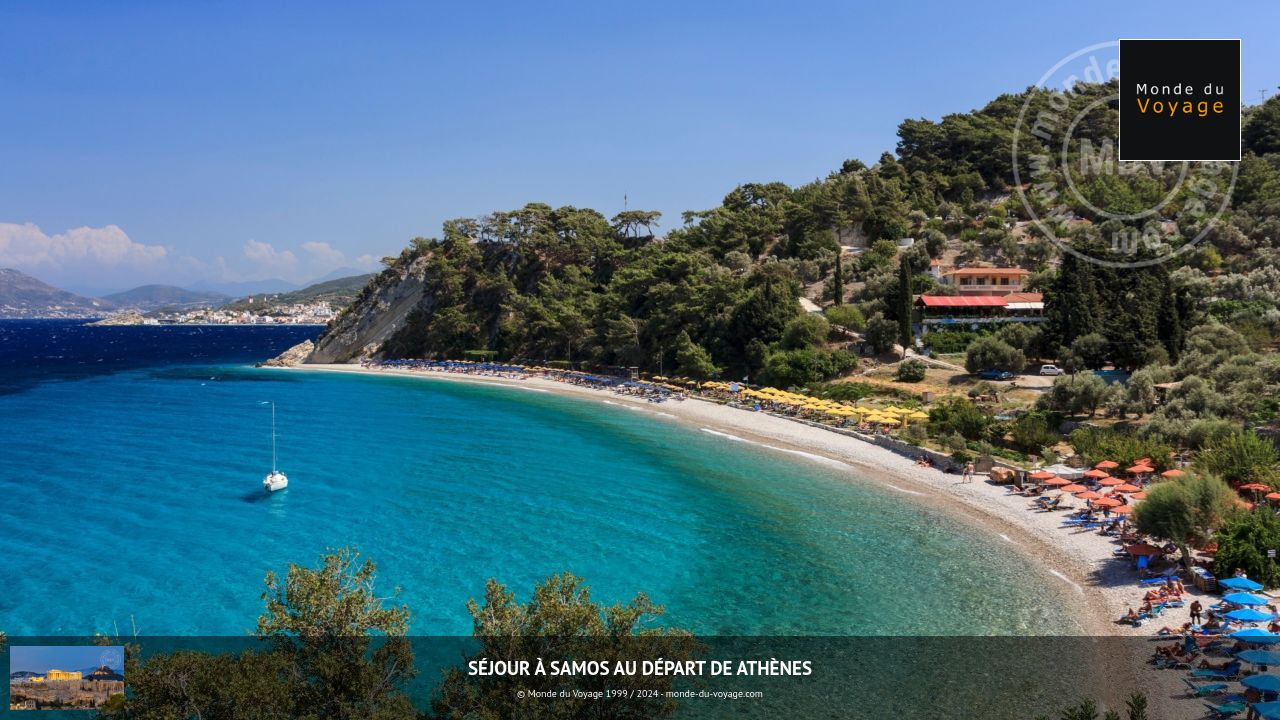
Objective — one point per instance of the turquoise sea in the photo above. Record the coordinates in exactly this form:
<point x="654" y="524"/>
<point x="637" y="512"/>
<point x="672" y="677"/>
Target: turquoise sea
<point x="130" y="496"/>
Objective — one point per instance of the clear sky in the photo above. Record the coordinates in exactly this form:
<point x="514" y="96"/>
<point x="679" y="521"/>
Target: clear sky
<point x="188" y="142"/>
<point x="41" y="659"/>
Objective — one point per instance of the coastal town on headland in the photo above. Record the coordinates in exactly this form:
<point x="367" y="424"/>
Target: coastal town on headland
<point x="298" y="314"/>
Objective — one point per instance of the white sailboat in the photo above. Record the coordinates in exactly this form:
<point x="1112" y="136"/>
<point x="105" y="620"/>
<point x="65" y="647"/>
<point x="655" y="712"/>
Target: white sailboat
<point x="275" y="480"/>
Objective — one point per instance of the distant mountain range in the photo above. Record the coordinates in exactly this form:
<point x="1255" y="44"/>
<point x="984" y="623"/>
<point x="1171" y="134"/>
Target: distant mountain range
<point x="249" y="287"/>
<point x="154" y="297"/>
<point x="22" y="296"/>
<point x="338" y="293"/>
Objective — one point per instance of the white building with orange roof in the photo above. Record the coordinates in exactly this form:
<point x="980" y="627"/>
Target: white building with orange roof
<point x="986" y="280"/>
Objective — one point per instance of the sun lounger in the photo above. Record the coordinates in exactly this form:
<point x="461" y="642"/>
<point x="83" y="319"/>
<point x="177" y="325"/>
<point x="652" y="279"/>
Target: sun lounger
<point x="1206" y="689"/>
<point x="1227" y="709"/>
<point x="1230" y="672"/>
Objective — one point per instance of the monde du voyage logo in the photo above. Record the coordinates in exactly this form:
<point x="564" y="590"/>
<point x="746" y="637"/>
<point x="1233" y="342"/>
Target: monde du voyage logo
<point x="1149" y="156"/>
<point x="1179" y="100"/>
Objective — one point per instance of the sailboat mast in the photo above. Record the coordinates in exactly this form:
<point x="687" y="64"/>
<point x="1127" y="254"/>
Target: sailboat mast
<point x="273" y="436"/>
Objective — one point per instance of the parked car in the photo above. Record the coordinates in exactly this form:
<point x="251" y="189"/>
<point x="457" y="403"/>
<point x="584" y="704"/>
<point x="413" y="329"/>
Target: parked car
<point x="1051" y="370"/>
<point x="994" y="374"/>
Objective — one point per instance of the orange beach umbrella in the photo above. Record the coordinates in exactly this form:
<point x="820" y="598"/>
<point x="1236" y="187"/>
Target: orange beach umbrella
<point x="1139" y="469"/>
<point x="1096" y="474"/>
<point x="1172" y="473"/>
<point x="1126" y="488"/>
<point x="1089" y="495"/>
<point x="1074" y="488"/>
<point x="1055" y="480"/>
<point x="1256" y="487"/>
<point x="1107" y="502"/>
<point x="1041" y="475"/>
<point x="1110" y="482"/>
<point x="1122" y="509"/>
<point x="1107" y="465"/>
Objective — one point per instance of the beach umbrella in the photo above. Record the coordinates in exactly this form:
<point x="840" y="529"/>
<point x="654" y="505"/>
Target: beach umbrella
<point x="1249" y="615"/>
<point x="1244" y="598"/>
<point x="1126" y="488"/>
<point x="1088" y="495"/>
<point x="1138" y="469"/>
<point x="1272" y="496"/>
<point x="1107" y="502"/>
<point x="1110" y="482"/>
<point x="1074" y="488"/>
<point x="1122" y="510"/>
<point x="1240" y="583"/>
<point x="1040" y="475"/>
<point x="918" y="415"/>
<point x="1268" y="710"/>
<point x="1096" y="474"/>
<point x="1258" y="636"/>
<point x="1259" y="657"/>
<point x="1172" y="473"/>
<point x="1143" y="549"/>
<point x="1107" y="465"/>
<point x="1255" y="487"/>
<point x="1138" y="496"/>
<point x="1057" y="481"/>
<point x="1264" y="683"/>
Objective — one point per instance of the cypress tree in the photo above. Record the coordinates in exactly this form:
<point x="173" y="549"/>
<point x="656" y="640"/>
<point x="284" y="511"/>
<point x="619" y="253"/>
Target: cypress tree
<point x="904" y="305"/>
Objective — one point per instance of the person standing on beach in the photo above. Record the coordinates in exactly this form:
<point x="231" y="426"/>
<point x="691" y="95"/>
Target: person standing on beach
<point x="968" y="472"/>
<point x="1196" y="609"/>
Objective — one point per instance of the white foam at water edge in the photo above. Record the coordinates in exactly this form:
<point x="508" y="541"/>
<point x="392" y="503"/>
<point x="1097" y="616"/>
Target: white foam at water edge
<point x="891" y="486"/>
<point x="1067" y="580"/>
<point x="609" y="402"/>
<point x="808" y="456"/>
<point x="724" y="435"/>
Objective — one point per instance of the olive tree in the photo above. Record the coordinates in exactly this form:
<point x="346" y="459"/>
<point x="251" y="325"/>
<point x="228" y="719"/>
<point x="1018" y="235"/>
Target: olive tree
<point x="1185" y="511"/>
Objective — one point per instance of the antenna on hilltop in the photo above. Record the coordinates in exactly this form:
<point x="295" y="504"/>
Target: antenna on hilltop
<point x="624" y="201"/>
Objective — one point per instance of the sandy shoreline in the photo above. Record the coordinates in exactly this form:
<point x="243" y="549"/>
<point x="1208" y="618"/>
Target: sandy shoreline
<point x="1096" y="588"/>
<point x="1104" y="588"/>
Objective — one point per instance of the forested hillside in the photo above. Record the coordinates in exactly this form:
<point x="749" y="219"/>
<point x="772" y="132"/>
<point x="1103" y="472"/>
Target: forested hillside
<point x="719" y="294"/>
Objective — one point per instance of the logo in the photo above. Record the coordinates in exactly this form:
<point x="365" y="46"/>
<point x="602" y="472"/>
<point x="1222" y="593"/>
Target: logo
<point x="1070" y="179"/>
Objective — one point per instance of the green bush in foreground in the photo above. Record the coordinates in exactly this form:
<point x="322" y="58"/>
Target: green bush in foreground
<point x="1135" y="709"/>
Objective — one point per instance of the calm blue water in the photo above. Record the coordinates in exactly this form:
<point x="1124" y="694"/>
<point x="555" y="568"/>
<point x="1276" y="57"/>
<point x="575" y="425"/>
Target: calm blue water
<point x="130" y="491"/>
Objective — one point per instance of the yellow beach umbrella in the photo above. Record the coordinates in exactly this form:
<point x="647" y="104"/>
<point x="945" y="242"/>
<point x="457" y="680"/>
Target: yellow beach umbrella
<point x="918" y="415"/>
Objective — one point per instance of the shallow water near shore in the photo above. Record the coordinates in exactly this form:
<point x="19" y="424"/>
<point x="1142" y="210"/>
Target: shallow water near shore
<point x="132" y="495"/>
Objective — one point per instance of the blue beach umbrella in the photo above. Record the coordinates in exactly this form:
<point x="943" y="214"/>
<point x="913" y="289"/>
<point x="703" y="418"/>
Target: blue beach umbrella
<point x="1268" y="710"/>
<point x="1264" y="683"/>
<point x="1244" y="598"/>
<point x="1240" y="583"/>
<point x="1259" y="657"/>
<point x="1256" y="635"/>
<point x="1249" y="615"/>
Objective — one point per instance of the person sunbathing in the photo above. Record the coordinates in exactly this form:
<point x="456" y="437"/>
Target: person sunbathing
<point x="1166" y="630"/>
<point x="1131" y="617"/>
<point x="1206" y="665"/>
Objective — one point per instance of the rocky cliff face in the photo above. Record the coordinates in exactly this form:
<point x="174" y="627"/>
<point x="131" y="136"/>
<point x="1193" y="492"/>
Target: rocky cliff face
<point x="374" y="317"/>
<point x="295" y="355"/>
